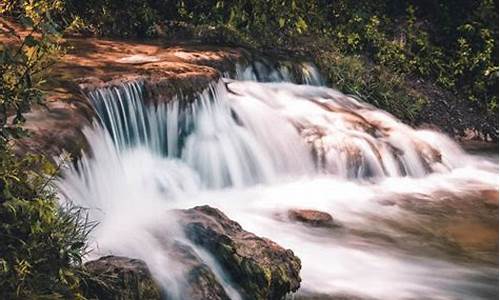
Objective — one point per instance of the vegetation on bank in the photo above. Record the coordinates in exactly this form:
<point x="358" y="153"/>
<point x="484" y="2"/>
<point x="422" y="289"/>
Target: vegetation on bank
<point x="42" y="244"/>
<point x="381" y="51"/>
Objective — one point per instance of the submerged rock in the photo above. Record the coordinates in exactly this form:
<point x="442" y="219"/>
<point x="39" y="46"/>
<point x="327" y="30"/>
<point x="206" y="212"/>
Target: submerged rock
<point x="260" y="268"/>
<point x="120" y="278"/>
<point x="312" y="217"/>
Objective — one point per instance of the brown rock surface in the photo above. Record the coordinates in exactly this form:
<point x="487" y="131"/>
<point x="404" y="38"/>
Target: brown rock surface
<point x="91" y="63"/>
<point x="201" y="282"/>
<point x="130" y="279"/>
<point x="312" y="217"/>
<point x="462" y="226"/>
<point x="490" y="197"/>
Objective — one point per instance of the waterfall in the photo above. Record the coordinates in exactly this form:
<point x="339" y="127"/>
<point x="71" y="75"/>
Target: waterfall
<point x="130" y="122"/>
<point x="242" y="133"/>
<point x="264" y="71"/>
<point x="255" y="150"/>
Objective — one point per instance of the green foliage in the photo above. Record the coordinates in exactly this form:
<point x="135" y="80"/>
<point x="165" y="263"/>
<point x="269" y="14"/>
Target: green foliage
<point x="42" y="244"/>
<point x="127" y="18"/>
<point x="461" y="57"/>
<point x="23" y="64"/>
<point x="451" y="44"/>
<point x="371" y="83"/>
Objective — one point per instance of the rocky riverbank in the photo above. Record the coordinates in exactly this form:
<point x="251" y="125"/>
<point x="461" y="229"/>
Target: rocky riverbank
<point x="257" y="268"/>
<point x="166" y="69"/>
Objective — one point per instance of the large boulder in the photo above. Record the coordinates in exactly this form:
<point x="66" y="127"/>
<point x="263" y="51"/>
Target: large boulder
<point x="259" y="267"/>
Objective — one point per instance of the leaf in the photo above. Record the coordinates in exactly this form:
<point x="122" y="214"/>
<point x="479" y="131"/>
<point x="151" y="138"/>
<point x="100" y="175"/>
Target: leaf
<point x="281" y="22"/>
<point x="301" y="25"/>
<point x="77" y="245"/>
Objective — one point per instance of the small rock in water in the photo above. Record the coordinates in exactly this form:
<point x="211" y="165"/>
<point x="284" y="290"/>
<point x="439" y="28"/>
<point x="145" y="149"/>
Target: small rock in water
<point x="490" y="197"/>
<point x="312" y="217"/>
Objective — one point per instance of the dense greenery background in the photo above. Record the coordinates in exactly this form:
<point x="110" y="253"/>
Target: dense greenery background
<point x="377" y="50"/>
<point x="390" y="53"/>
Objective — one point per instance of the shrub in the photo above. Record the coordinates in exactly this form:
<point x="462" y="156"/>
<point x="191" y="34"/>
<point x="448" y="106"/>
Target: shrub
<point x="371" y="83"/>
<point x="42" y="244"/>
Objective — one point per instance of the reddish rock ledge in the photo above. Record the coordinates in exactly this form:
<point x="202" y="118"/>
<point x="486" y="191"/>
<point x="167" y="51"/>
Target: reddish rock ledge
<point x="92" y="63"/>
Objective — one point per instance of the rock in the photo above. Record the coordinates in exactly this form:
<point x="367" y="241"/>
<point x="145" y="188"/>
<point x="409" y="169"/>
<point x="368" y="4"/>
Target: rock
<point x="57" y="125"/>
<point x="201" y="283"/>
<point x="490" y="197"/>
<point x="261" y="268"/>
<point x="336" y="296"/>
<point x="257" y="267"/>
<point x="311" y="217"/>
<point x="94" y="63"/>
<point x="129" y="278"/>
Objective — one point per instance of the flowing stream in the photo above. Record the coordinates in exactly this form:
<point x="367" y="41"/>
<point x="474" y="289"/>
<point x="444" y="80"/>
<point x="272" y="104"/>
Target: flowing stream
<point x="413" y="222"/>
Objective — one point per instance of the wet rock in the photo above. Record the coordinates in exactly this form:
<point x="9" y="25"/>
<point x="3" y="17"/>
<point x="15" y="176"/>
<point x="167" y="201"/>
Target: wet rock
<point x="261" y="268"/>
<point x="312" y="217"/>
<point x="490" y="197"/>
<point x="336" y="296"/>
<point x="129" y="278"/>
<point x="200" y="281"/>
<point x="93" y="63"/>
<point x="57" y="125"/>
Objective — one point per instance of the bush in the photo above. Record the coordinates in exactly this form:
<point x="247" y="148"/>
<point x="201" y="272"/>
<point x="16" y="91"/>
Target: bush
<point x="42" y="244"/>
<point x="371" y="83"/>
<point x="128" y="18"/>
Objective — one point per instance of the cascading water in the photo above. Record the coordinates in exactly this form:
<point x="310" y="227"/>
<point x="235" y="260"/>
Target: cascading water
<point x="255" y="150"/>
<point x="264" y="71"/>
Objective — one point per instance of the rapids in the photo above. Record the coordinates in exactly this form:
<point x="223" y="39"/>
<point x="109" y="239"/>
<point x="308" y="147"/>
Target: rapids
<point x="406" y="199"/>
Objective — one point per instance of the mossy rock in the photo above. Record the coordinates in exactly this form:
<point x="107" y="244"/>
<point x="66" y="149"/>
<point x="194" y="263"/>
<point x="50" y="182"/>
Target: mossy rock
<point x="260" y="268"/>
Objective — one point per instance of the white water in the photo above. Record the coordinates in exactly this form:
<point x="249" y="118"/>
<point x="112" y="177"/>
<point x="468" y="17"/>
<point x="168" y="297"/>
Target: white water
<point x="256" y="150"/>
<point x="264" y="71"/>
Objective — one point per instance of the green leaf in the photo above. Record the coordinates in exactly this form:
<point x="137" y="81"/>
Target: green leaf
<point x="281" y="22"/>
